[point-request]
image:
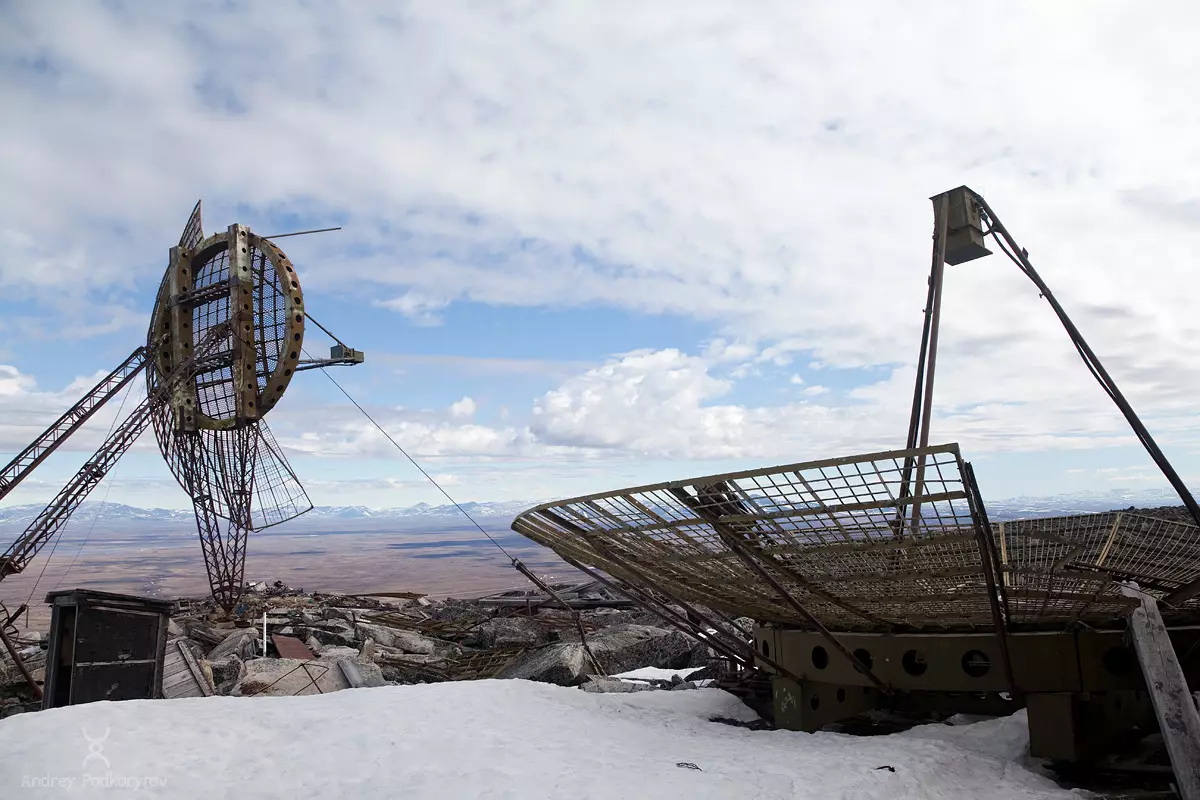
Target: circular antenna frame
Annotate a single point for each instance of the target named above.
(242, 279)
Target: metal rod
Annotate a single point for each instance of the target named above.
(746, 657)
(648, 601)
(311, 319)
(941, 211)
(302, 233)
(16, 657)
(735, 543)
(1189, 501)
(987, 555)
(538, 582)
(914, 421)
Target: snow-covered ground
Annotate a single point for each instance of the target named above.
(490, 739)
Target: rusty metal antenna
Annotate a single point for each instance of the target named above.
(224, 341)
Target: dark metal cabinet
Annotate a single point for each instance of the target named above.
(104, 646)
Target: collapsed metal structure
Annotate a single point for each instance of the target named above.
(878, 580)
(226, 336)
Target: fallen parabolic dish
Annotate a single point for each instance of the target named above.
(841, 537)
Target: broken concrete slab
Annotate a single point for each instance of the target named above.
(286, 677)
(335, 653)
(242, 643)
(330, 635)
(407, 641)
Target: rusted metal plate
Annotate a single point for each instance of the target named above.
(291, 647)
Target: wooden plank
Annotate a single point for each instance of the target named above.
(1178, 718)
(173, 665)
(194, 668)
(184, 678)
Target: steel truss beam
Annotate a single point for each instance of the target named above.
(58, 512)
(49, 440)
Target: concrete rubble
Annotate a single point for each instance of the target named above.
(365, 641)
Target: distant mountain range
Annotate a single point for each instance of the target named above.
(116, 512)
(1079, 503)
(1012, 508)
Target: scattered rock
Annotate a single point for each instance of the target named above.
(564, 664)
(285, 677)
(508, 632)
(242, 643)
(613, 686)
(338, 652)
(340, 630)
(223, 674)
(625, 647)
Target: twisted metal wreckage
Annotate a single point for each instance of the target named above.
(878, 581)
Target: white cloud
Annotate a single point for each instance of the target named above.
(815, 389)
(13, 383)
(463, 409)
(418, 307)
(796, 380)
(764, 173)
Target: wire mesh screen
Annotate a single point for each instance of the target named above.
(193, 231)
(841, 535)
(1060, 570)
(861, 547)
(215, 388)
(215, 391)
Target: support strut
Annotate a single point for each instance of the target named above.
(754, 560)
(1019, 255)
(49, 440)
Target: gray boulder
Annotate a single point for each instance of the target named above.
(405, 641)
(223, 674)
(508, 632)
(625, 647)
(599, 685)
(242, 643)
(565, 664)
(619, 648)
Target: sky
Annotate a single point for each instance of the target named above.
(589, 245)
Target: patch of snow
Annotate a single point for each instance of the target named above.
(656, 673)
(493, 739)
(1001, 737)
